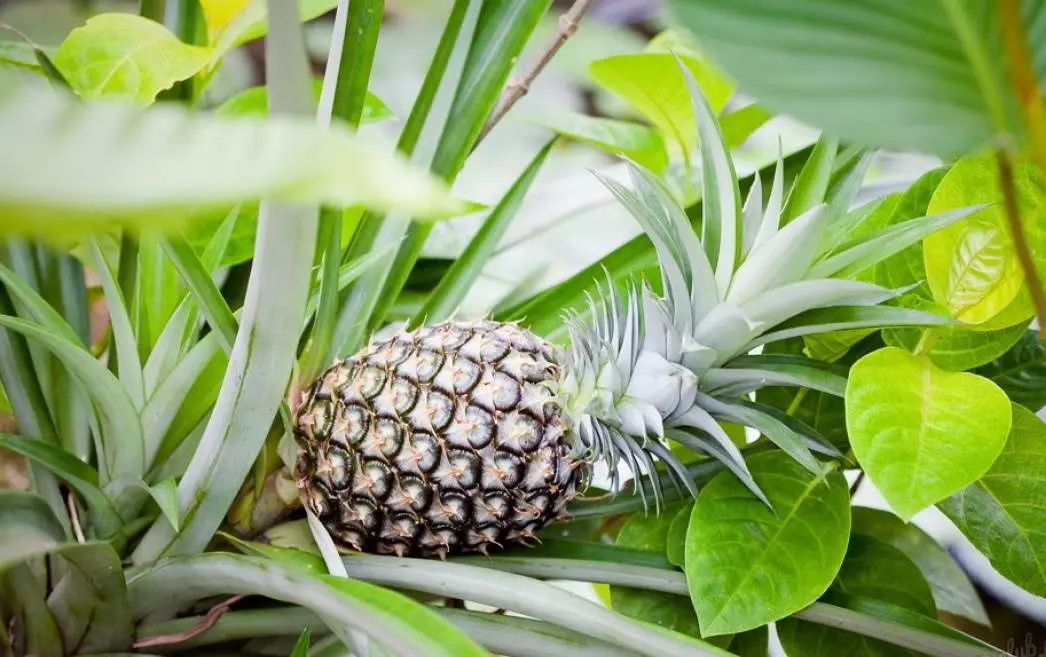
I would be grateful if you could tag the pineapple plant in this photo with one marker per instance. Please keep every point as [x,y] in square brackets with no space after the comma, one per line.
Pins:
[467,436]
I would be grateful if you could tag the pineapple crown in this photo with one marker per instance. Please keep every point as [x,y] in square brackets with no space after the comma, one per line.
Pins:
[641,367]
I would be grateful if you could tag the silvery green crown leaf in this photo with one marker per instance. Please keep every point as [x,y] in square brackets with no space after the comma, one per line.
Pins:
[643,368]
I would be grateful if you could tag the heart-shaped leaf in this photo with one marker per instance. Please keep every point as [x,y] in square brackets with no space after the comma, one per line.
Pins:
[748,565]
[1002,513]
[126,55]
[919,432]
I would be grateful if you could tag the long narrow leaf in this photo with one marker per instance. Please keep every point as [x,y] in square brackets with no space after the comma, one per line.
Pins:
[778,432]
[130,368]
[811,187]
[394,621]
[122,430]
[455,284]
[208,297]
[747,373]
[29,605]
[841,318]
[526,596]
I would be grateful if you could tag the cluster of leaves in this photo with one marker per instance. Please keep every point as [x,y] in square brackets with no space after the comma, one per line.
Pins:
[157,448]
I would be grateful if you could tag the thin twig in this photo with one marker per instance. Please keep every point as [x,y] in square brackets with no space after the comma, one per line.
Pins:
[207,623]
[518,87]
[74,515]
[857,483]
[1020,242]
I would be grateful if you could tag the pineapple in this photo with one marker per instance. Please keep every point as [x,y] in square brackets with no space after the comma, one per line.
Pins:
[462,436]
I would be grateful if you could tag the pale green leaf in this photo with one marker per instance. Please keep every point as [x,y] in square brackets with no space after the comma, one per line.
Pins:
[255,102]
[952,589]
[778,561]
[253,22]
[90,601]
[637,142]
[1002,513]
[972,266]
[957,348]
[120,54]
[654,85]
[71,167]
[128,364]
[910,76]
[29,526]
[920,433]
[165,494]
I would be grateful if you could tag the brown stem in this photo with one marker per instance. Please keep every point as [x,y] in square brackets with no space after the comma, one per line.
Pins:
[1020,242]
[518,87]
[857,483]
[1033,107]
[207,623]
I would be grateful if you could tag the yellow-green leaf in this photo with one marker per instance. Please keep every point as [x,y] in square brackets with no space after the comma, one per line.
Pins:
[971,266]
[219,13]
[126,55]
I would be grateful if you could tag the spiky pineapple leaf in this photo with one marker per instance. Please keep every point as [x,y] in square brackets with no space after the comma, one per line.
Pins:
[129,366]
[811,187]
[748,373]
[841,318]
[63,175]
[773,428]
[208,297]
[635,141]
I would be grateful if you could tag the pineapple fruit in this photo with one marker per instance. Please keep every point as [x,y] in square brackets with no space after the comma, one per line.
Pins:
[461,437]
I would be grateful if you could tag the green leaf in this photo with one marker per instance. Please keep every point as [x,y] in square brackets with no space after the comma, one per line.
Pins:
[253,22]
[971,266]
[811,185]
[121,428]
[301,647]
[28,607]
[446,298]
[957,348]
[79,475]
[651,532]
[395,622]
[121,54]
[29,526]
[208,296]
[1002,512]
[634,141]
[90,601]
[952,589]
[1021,371]
[171,163]
[165,494]
[255,102]
[128,364]
[872,569]
[653,84]
[19,54]
[820,320]
[921,433]
[779,560]
[739,124]
[923,76]
[753,643]
[676,548]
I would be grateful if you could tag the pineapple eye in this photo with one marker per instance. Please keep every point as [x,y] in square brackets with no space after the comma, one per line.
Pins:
[420,454]
[460,469]
[360,512]
[416,492]
[497,504]
[465,374]
[397,351]
[429,364]
[483,534]
[336,468]
[374,479]
[439,409]
[351,427]
[404,395]
[371,381]
[388,438]
[505,472]
[492,349]
[454,508]
[519,433]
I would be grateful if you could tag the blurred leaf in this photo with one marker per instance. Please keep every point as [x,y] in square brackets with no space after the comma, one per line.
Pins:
[122,54]
[301,647]
[20,54]
[739,124]
[253,22]
[255,102]
[1021,372]
[80,476]
[90,601]
[875,570]
[753,643]
[635,141]
[971,266]
[446,298]
[907,435]
[780,559]
[219,13]
[28,608]
[952,589]
[653,84]
[398,624]
[1002,512]
[121,430]
[651,532]
[71,168]
[922,76]
[29,526]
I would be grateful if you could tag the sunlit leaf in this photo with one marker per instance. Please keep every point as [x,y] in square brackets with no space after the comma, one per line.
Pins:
[72,167]
[907,434]
[255,102]
[779,560]
[122,54]
[1002,512]
[1021,371]
[635,141]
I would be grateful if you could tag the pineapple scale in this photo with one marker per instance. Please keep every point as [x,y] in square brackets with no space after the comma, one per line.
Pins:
[438,441]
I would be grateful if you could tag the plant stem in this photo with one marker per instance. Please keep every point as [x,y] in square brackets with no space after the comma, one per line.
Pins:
[926,341]
[154,10]
[518,87]
[1029,93]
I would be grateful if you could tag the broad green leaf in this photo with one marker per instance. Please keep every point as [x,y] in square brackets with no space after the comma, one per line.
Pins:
[255,102]
[739,124]
[875,570]
[778,561]
[676,548]
[1002,512]
[957,348]
[398,624]
[38,630]
[637,142]
[919,432]
[79,475]
[753,643]
[651,532]
[1021,371]
[971,266]
[29,526]
[952,589]
[121,429]
[63,174]
[126,55]
[654,85]
[917,76]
